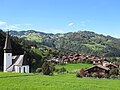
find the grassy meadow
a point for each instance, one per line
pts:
(19, 81)
(74, 67)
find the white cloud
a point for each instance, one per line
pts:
(13, 27)
(20, 26)
(70, 24)
(3, 23)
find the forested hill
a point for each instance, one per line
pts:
(19, 47)
(84, 42)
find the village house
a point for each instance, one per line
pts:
(98, 69)
(54, 60)
(33, 46)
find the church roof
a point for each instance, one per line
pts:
(7, 47)
(19, 60)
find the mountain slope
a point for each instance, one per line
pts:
(84, 42)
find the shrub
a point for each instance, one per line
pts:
(38, 70)
(114, 71)
(57, 70)
(94, 75)
(77, 74)
(62, 70)
(47, 68)
(113, 77)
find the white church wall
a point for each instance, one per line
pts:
(7, 60)
(17, 69)
(25, 69)
(22, 69)
(10, 68)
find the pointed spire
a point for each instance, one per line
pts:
(7, 47)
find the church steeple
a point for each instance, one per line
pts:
(7, 47)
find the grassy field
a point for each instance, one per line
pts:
(74, 67)
(19, 81)
(16, 81)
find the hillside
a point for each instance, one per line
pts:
(84, 42)
(35, 57)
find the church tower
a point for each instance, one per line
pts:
(7, 53)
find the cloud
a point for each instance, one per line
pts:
(3, 23)
(70, 24)
(6, 25)
(13, 27)
(20, 26)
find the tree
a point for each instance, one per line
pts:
(114, 71)
(47, 68)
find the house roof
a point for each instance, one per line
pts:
(100, 66)
(112, 65)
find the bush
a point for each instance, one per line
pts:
(62, 70)
(57, 70)
(113, 77)
(47, 68)
(77, 74)
(38, 70)
(114, 71)
(94, 75)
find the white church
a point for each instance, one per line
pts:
(15, 63)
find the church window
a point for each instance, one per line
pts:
(24, 70)
(19, 69)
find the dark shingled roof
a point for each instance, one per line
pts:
(100, 66)
(7, 47)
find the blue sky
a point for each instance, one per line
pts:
(61, 16)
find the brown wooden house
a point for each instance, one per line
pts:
(98, 69)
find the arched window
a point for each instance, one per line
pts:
(24, 69)
(19, 69)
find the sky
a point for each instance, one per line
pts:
(61, 16)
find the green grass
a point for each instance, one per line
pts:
(16, 81)
(74, 67)
(95, 47)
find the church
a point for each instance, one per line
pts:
(15, 63)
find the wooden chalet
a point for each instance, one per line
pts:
(99, 69)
